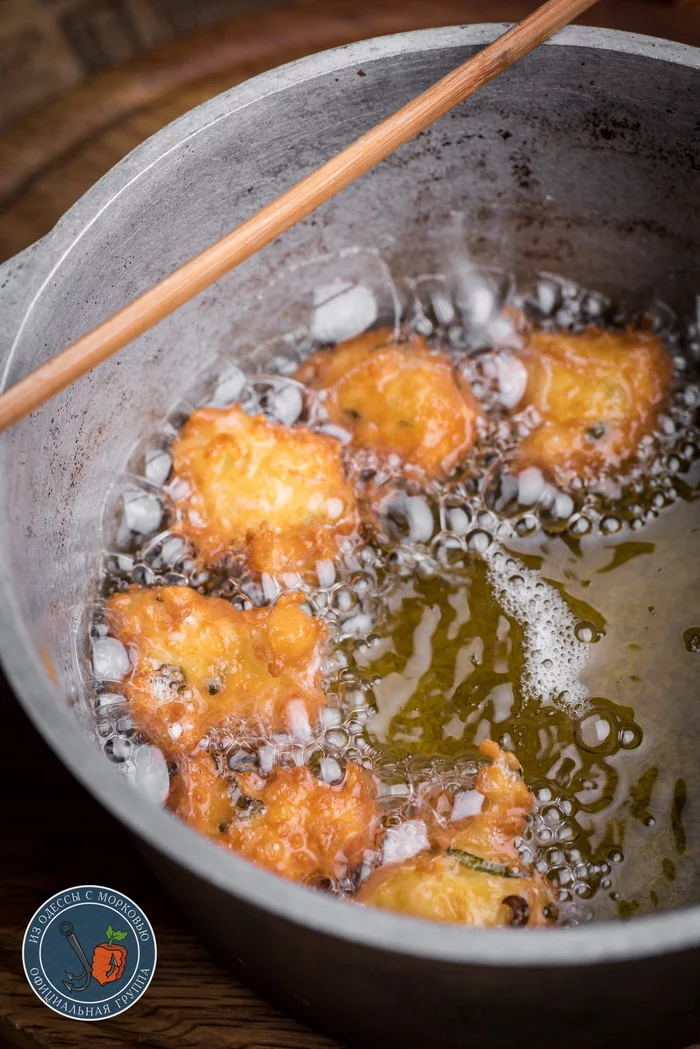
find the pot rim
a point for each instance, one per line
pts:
(44, 702)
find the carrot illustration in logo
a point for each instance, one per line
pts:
(109, 959)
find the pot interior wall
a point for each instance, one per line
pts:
(578, 161)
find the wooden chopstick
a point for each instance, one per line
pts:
(278, 216)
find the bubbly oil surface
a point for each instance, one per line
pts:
(563, 624)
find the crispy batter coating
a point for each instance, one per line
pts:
(439, 887)
(198, 661)
(396, 399)
(200, 795)
(474, 875)
(491, 833)
(279, 493)
(291, 823)
(598, 393)
(304, 828)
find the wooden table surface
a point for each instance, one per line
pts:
(55, 835)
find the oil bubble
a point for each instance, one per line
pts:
(691, 639)
(586, 632)
(580, 525)
(148, 773)
(142, 512)
(610, 524)
(556, 510)
(531, 486)
(630, 736)
(478, 541)
(110, 660)
(457, 519)
(526, 526)
(117, 749)
(410, 517)
(597, 733)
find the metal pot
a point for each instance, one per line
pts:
(583, 159)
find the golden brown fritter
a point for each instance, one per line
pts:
(198, 660)
(302, 827)
(279, 493)
(474, 874)
(598, 394)
(402, 400)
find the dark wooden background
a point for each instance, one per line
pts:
(53, 834)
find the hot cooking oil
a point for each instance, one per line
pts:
(560, 623)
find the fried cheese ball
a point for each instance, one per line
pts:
(279, 493)
(597, 393)
(474, 875)
(306, 829)
(400, 399)
(197, 661)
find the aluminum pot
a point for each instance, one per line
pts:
(583, 159)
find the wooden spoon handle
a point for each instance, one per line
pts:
(280, 214)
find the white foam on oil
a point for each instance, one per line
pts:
(554, 658)
(342, 309)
